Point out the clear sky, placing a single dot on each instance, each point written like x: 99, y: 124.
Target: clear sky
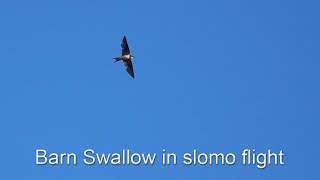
x: 216, y: 76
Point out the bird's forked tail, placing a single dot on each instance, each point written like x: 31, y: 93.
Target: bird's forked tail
x: 117, y: 59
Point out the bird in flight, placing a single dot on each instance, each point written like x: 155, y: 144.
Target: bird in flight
x: 126, y: 57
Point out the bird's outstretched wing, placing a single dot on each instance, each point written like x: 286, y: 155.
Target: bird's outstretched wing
x: 125, y: 46
x: 129, y: 67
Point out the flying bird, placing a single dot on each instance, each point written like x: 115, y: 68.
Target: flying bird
x: 126, y: 57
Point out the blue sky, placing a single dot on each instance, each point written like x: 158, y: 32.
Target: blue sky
x: 216, y: 76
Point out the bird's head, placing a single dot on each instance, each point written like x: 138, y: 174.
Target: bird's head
x: 131, y: 57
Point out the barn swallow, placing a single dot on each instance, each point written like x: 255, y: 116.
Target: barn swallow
x: 126, y: 57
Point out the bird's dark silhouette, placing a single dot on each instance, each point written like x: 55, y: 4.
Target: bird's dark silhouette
x: 126, y: 57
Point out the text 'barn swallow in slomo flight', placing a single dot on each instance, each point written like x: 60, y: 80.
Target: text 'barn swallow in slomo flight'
x: 126, y: 57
